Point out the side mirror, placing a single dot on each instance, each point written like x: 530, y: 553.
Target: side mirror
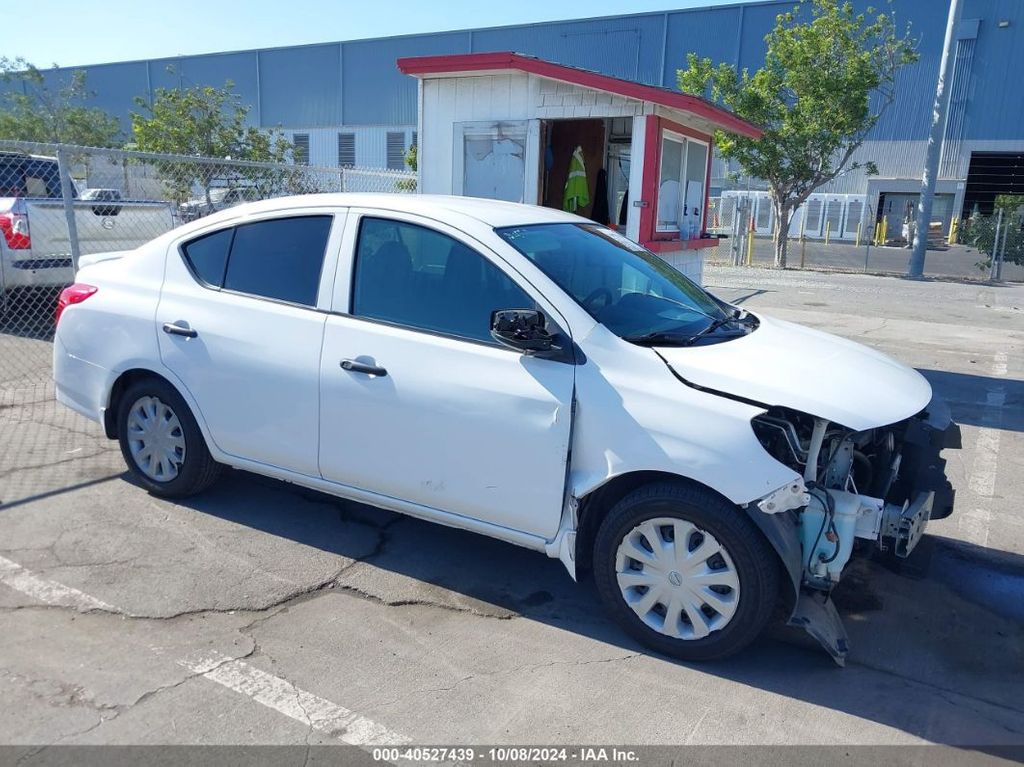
x: 521, y: 329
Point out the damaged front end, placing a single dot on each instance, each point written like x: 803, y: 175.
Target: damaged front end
x: 881, y: 485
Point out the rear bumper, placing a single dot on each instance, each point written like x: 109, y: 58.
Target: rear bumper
x: 79, y: 385
x: 38, y: 272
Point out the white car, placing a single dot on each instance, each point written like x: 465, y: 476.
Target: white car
x: 522, y: 373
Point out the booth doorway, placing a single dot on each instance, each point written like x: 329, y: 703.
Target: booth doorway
x: 606, y: 154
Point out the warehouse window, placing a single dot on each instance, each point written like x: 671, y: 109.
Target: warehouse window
x: 396, y: 150
x: 301, y: 152
x: 347, y: 150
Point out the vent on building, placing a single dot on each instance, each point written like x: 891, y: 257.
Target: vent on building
x: 347, y: 150
x: 415, y: 139
x: 301, y: 144
x: 396, y: 150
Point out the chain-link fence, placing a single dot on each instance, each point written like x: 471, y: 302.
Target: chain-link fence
x: 58, y: 203
x: 841, y: 232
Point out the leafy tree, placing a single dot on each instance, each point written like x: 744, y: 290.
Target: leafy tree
x: 52, y: 110
x: 411, y: 162
x: 829, y: 75
x: 209, y: 122
x: 980, y: 231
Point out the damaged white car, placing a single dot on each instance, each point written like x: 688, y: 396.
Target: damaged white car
x: 522, y: 373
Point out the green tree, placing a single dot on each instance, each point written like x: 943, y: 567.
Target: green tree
x: 52, y: 109
x: 209, y: 122
x: 829, y: 75
x: 980, y: 231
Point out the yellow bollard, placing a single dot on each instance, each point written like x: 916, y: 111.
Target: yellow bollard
x: 953, y: 231
x: 750, y: 247
x: 878, y: 229
x: 828, y: 231
x: 885, y: 231
x: 858, y: 236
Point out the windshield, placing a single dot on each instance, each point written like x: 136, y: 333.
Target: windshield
x: 626, y: 288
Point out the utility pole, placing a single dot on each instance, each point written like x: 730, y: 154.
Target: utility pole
x: 915, y: 269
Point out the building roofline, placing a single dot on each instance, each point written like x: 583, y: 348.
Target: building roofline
x: 410, y: 35
x: 433, y: 66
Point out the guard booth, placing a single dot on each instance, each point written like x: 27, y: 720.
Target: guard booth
x: 511, y: 127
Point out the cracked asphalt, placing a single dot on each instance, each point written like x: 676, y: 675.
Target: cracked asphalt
x: 325, y: 618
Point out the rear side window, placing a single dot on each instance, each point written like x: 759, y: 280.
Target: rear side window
x: 279, y: 259
x: 209, y: 255
x: 29, y: 177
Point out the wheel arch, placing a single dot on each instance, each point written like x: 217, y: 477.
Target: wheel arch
x: 139, y: 372
x: 779, y: 530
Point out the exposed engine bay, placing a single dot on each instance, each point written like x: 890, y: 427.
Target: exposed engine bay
x: 881, y: 485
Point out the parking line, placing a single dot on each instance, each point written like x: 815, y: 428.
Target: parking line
x: 974, y: 524
x: 51, y: 592
x: 284, y: 697
x: 266, y: 689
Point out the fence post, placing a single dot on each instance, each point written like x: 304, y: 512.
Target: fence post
x: 1002, y: 252
x: 66, y: 191
x: 995, y: 246
x: 750, y: 240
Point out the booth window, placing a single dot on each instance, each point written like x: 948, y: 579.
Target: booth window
x: 492, y: 159
x: 681, y: 184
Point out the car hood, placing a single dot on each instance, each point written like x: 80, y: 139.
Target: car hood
x: 788, y: 365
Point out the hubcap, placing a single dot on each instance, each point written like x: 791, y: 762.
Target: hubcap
x: 155, y: 439
x: 677, y: 578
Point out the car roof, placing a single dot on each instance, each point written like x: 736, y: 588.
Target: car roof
x: 495, y: 213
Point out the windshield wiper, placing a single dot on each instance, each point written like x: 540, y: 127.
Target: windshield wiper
x: 673, y: 336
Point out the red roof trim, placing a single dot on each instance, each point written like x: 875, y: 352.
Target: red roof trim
x: 479, y: 62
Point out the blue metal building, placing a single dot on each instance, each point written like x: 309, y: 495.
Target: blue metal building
x: 350, y: 103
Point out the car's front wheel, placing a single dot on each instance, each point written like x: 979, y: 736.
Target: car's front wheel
x: 685, y: 572
x: 161, y: 441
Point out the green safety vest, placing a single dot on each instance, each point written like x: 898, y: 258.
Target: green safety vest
x: 577, y: 195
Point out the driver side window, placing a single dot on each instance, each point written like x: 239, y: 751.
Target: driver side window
x: 417, y: 277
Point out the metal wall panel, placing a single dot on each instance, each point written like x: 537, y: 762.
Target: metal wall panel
x: 301, y: 86
x: 709, y: 32
x: 116, y: 86
x: 995, y: 108
x: 374, y: 91
x: 627, y: 46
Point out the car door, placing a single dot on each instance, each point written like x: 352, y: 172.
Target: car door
x: 418, y: 402
x: 240, y: 327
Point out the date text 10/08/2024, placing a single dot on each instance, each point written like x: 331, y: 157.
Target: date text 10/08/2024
x: 504, y: 754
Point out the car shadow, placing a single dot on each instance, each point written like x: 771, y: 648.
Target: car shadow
x: 896, y: 619
x: 994, y: 402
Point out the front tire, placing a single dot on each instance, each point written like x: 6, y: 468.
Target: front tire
x: 161, y: 441
x: 685, y: 572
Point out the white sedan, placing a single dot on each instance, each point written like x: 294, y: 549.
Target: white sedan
x: 521, y: 373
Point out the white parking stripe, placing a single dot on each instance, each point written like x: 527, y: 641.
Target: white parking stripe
x: 974, y: 525
x: 266, y: 689
x: 52, y: 593
x: 281, y: 695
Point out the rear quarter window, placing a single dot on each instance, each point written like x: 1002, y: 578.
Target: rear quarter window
x: 207, y: 256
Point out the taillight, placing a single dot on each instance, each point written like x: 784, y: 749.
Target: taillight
x: 72, y: 294
x: 15, y: 229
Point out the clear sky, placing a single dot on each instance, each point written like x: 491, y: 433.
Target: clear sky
x: 73, y: 32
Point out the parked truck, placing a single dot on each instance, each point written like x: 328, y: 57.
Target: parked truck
x: 35, y: 246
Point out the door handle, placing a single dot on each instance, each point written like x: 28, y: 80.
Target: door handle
x: 353, y: 366
x: 179, y: 330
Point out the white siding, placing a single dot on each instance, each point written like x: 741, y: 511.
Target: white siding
x: 371, y: 144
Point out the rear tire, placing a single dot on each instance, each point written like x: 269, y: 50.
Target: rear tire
x: 161, y: 441
x: 685, y: 572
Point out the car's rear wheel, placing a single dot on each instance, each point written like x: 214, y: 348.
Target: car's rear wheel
x: 161, y: 441
x: 685, y: 572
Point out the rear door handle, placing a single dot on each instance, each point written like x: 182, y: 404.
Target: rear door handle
x: 353, y: 366
x: 179, y: 330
